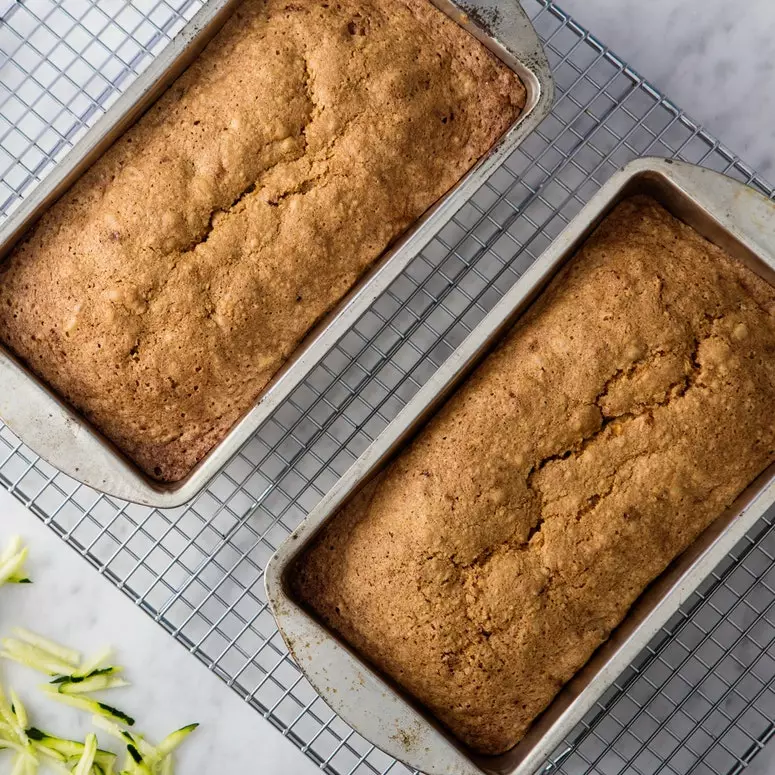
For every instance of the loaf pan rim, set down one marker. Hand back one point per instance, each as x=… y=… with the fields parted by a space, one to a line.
x=53 y=429
x=735 y=212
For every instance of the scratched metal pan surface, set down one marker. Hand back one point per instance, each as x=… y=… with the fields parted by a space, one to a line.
x=725 y=212
x=61 y=436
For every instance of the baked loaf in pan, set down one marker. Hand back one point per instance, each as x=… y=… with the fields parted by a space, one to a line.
x=163 y=292
x=627 y=409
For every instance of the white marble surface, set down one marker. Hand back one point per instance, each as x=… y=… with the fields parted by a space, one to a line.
x=715 y=59
x=70 y=602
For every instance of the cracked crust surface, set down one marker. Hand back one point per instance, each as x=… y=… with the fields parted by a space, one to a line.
x=163 y=292
x=626 y=410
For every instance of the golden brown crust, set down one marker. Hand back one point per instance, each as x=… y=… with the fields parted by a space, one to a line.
x=625 y=412
x=161 y=294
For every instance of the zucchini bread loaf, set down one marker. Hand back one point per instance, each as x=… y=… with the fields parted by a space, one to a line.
x=625 y=411
x=162 y=293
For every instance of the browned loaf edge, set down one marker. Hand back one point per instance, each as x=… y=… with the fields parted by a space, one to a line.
x=624 y=413
x=162 y=293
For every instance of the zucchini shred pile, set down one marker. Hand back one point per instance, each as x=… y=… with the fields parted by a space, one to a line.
x=72 y=681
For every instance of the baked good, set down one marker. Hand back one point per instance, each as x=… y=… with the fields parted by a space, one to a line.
x=162 y=293
x=626 y=410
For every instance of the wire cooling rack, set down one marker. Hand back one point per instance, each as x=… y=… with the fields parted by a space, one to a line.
x=700 y=699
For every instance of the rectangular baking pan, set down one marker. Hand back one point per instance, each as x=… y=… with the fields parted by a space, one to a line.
x=61 y=436
x=724 y=211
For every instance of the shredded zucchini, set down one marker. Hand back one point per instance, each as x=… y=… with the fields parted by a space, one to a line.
x=97 y=681
x=71 y=675
x=30 y=745
x=89 y=704
x=14 y=736
x=64 y=750
x=84 y=765
x=124 y=736
x=12 y=561
x=174 y=740
x=72 y=678
x=95 y=664
x=32 y=656
x=39 y=653
x=67 y=655
x=143 y=758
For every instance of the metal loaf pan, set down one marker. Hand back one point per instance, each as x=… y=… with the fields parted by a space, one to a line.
x=65 y=439
x=724 y=211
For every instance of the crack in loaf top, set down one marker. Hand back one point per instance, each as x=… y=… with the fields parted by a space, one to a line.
x=165 y=289
x=623 y=413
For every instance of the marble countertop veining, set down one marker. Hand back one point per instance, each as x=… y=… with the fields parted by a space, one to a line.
x=715 y=59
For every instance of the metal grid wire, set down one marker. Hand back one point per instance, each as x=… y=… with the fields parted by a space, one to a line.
x=699 y=699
